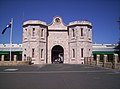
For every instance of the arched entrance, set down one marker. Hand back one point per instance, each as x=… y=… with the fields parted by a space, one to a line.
x=57 y=54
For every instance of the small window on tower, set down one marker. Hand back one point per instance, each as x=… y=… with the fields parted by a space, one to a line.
x=24 y=56
x=73 y=33
x=81 y=31
x=81 y=52
x=89 y=33
x=41 y=53
x=42 y=33
x=33 y=32
x=57 y=20
x=73 y=53
x=26 y=30
x=33 y=52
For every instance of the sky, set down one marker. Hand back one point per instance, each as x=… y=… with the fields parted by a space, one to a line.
x=103 y=14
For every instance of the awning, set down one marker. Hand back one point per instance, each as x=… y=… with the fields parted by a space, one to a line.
x=7 y=52
x=4 y=52
x=105 y=52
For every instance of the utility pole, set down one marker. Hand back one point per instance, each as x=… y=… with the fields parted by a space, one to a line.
x=11 y=38
x=119 y=28
x=119 y=39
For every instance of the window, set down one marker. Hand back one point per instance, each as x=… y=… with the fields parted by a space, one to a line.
x=73 y=32
x=89 y=49
x=73 y=53
x=26 y=30
x=81 y=52
x=25 y=34
x=81 y=31
x=57 y=20
x=24 y=56
x=33 y=32
x=42 y=32
x=41 y=53
x=89 y=33
x=33 y=52
x=4 y=45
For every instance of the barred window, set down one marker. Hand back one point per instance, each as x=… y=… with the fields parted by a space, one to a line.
x=33 y=32
x=24 y=56
x=41 y=53
x=42 y=32
x=73 y=51
x=89 y=33
x=73 y=32
x=26 y=30
x=33 y=52
x=81 y=52
x=81 y=31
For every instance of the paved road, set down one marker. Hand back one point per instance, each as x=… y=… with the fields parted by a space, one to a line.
x=58 y=76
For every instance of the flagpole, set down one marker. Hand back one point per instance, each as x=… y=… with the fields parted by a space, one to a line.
x=11 y=37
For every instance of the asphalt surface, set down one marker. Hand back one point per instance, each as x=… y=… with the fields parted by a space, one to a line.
x=58 y=76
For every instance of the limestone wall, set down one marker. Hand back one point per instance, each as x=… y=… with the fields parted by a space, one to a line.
x=41 y=38
x=34 y=39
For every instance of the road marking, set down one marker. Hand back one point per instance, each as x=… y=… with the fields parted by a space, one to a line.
x=10 y=70
x=114 y=73
x=50 y=72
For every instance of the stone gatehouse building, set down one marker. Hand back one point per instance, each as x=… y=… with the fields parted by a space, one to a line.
x=56 y=42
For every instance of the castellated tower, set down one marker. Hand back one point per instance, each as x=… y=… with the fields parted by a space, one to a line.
x=56 y=42
x=80 y=41
x=34 y=41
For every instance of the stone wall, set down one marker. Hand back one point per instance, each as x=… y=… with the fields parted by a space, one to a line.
x=114 y=64
x=8 y=63
x=80 y=40
x=41 y=38
x=34 y=41
x=58 y=38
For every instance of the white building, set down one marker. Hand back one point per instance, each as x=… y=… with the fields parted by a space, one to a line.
x=56 y=42
x=45 y=43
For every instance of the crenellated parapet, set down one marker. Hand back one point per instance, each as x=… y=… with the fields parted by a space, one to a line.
x=34 y=22
x=80 y=23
